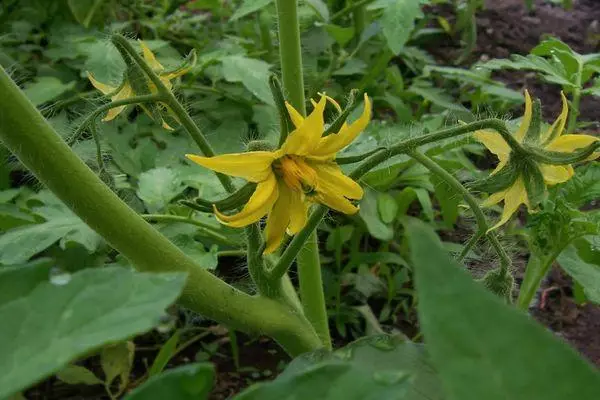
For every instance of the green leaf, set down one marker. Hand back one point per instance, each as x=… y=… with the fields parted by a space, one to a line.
x=320 y=8
x=11 y=216
x=20 y=244
x=340 y=34
x=551 y=71
x=78 y=375
x=84 y=10
x=164 y=355
x=585 y=273
x=448 y=199
x=584 y=186
x=252 y=73
x=398 y=21
x=117 y=360
x=436 y=96
x=55 y=323
x=370 y=215
x=387 y=206
x=248 y=7
x=18 y=281
x=190 y=382
x=158 y=186
x=483 y=348
x=46 y=88
x=378 y=367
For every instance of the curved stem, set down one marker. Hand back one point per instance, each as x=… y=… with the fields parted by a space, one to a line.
x=28 y=136
x=436 y=169
x=350 y=8
x=149 y=98
x=206 y=229
x=171 y=101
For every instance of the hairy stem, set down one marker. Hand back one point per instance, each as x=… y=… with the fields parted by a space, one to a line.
x=438 y=170
x=175 y=106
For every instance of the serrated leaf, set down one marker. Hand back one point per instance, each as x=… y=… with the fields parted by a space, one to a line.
x=436 y=96
x=342 y=35
x=78 y=375
x=320 y=8
x=378 y=367
x=190 y=382
x=248 y=7
x=584 y=186
x=20 y=244
x=158 y=186
x=55 y=323
x=551 y=72
x=252 y=73
x=483 y=348
x=398 y=22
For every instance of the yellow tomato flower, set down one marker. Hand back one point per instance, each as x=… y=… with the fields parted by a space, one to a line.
x=125 y=90
x=303 y=171
x=552 y=139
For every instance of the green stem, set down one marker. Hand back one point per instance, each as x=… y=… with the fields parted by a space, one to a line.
x=350 y=8
x=290 y=53
x=309 y=265
x=256 y=263
x=359 y=16
x=205 y=229
x=178 y=110
x=436 y=169
x=28 y=136
x=90 y=119
x=575 y=101
x=410 y=144
x=311 y=288
x=231 y=253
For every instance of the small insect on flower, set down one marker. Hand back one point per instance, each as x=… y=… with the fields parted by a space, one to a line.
x=302 y=172
x=522 y=178
x=135 y=83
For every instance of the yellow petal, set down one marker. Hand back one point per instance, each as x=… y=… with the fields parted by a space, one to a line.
x=278 y=220
x=298 y=212
x=104 y=88
x=570 y=143
x=329 y=196
x=494 y=142
x=332 y=101
x=514 y=197
x=559 y=123
x=554 y=174
x=306 y=136
x=295 y=116
x=331 y=144
x=125 y=93
x=259 y=204
x=494 y=198
x=150 y=58
x=254 y=166
x=331 y=175
x=526 y=121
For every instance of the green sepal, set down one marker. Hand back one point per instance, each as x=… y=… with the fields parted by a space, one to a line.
x=499 y=181
x=285 y=122
x=561 y=158
x=534 y=182
x=189 y=62
x=499 y=282
x=533 y=133
x=234 y=200
x=259 y=145
x=341 y=118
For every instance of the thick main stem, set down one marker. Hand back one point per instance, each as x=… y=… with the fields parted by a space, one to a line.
x=309 y=265
x=28 y=136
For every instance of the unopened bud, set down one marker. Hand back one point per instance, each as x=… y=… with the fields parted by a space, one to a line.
x=499 y=282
